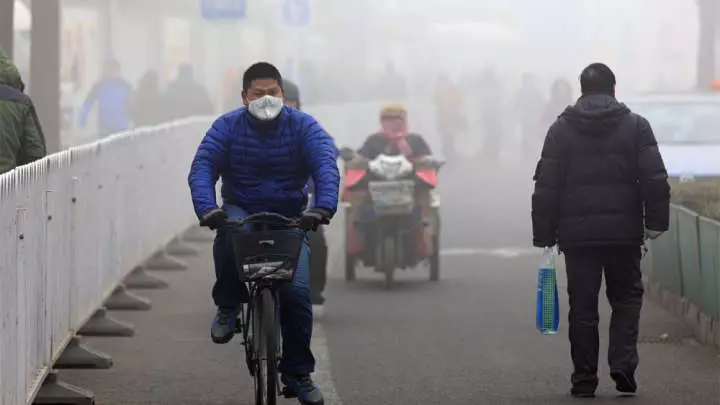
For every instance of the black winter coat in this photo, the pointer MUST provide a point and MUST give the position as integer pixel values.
(600, 179)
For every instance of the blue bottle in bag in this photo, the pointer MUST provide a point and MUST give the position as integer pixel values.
(548, 311)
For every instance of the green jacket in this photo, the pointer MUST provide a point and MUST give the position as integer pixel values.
(21, 138)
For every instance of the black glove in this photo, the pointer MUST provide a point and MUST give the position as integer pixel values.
(313, 218)
(214, 219)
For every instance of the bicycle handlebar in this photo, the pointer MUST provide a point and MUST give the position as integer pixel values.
(265, 218)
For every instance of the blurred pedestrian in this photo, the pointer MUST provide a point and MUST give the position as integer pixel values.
(318, 242)
(185, 97)
(600, 189)
(147, 104)
(21, 138)
(449, 115)
(528, 111)
(492, 108)
(113, 95)
(234, 98)
(230, 90)
(391, 86)
(561, 96)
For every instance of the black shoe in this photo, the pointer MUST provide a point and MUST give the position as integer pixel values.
(578, 391)
(624, 382)
(317, 299)
(584, 387)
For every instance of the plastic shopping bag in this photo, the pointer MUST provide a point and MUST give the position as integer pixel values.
(548, 311)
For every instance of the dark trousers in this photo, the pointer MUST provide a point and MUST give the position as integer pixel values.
(318, 261)
(624, 288)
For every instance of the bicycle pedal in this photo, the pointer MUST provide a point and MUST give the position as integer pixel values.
(288, 393)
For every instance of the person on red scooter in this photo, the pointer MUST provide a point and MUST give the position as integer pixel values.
(394, 139)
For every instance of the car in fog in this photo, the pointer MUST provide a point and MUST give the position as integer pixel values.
(687, 128)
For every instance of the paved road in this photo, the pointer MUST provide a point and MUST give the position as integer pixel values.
(469, 339)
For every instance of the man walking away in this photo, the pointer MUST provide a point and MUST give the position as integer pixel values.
(21, 138)
(113, 96)
(600, 189)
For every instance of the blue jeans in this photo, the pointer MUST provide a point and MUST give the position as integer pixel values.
(296, 318)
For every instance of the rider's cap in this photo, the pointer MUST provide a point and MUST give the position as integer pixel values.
(393, 110)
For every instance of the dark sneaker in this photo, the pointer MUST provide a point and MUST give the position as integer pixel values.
(303, 387)
(624, 382)
(223, 326)
(583, 387)
(578, 391)
(317, 299)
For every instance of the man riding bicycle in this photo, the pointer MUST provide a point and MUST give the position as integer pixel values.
(265, 154)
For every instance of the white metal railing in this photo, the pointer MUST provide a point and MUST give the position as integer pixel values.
(73, 225)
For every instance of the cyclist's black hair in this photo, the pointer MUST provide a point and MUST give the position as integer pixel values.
(261, 70)
(597, 78)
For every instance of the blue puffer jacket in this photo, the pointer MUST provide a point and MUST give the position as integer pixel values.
(265, 166)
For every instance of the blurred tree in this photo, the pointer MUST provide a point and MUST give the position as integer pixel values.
(45, 68)
(7, 15)
(708, 12)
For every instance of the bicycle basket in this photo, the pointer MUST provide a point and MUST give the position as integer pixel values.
(270, 254)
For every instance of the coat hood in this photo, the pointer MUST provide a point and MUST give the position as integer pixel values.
(9, 74)
(596, 114)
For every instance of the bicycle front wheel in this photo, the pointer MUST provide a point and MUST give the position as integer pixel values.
(266, 379)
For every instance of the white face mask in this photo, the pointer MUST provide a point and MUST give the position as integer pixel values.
(266, 108)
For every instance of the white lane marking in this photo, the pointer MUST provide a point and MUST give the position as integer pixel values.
(319, 346)
(323, 373)
(334, 233)
(508, 252)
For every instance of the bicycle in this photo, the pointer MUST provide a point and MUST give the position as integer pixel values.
(265, 258)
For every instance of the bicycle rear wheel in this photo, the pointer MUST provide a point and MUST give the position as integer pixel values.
(266, 378)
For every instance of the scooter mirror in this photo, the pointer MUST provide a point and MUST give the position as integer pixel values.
(347, 154)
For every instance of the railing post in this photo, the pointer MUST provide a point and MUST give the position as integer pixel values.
(20, 317)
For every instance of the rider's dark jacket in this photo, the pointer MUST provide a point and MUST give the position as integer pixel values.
(375, 144)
